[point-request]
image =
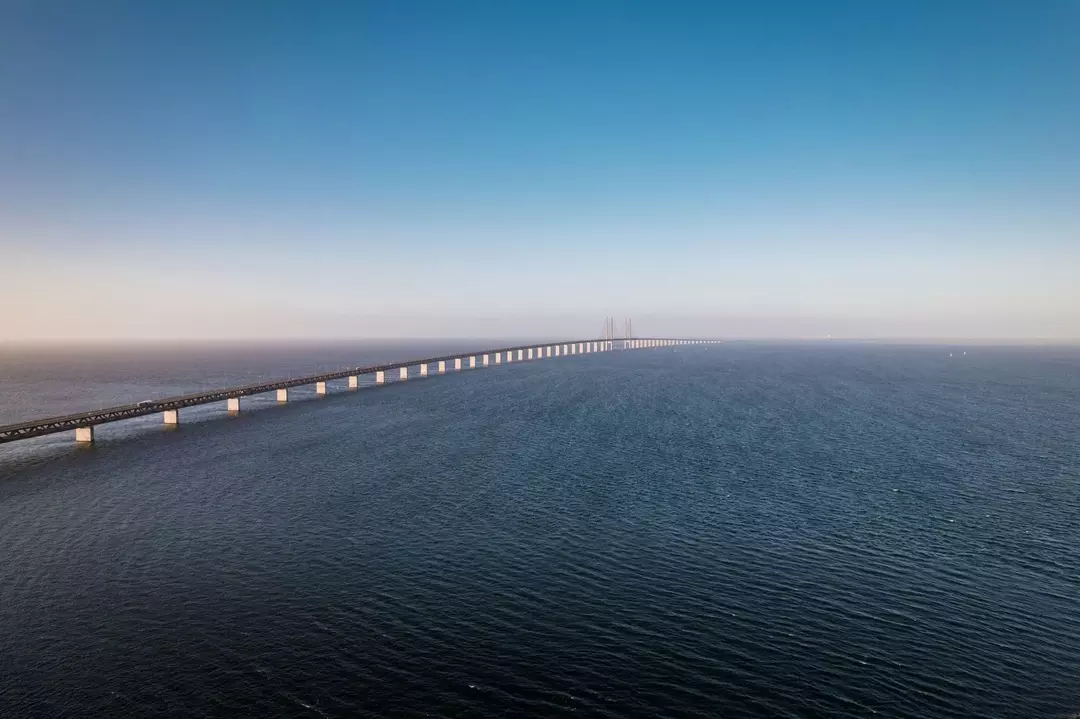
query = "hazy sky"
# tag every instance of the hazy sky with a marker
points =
(395, 168)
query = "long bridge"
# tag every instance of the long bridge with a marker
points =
(83, 423)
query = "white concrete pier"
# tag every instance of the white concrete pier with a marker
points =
(172, 416)
(457, 363)
(283, 395)
(472, 363)
(498, 358)
(233, 404)
(442, 366)
(485, 360)
(423, 369)
(380, 377)
(84, 435)
(320, 388)
(354, 382)
(403, 373)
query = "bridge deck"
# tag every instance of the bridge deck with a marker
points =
(51, 425)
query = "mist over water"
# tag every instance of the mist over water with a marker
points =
(741, 531)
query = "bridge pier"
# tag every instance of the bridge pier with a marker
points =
(442, 366)
(171, 416)
(509, 356)
(283, 395)
(498, 358)
(354, 382)
(472, 363)
(403, 373)
(320, 389)
(423, 369)
(233, 404)
(530, 353)
(485, 360)
(380, 377)
(457, 363)
(84, 435)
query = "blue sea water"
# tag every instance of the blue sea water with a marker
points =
(743, 530)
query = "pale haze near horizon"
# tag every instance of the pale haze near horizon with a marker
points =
(479, 170)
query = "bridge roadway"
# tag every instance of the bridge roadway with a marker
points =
(84, 422)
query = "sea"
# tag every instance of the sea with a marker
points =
(735, 530)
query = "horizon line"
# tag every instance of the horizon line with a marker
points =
(794, 339)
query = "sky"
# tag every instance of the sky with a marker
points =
(403, 168)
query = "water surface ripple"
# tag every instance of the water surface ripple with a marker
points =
(742, 531)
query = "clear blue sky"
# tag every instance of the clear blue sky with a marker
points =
(483, 168)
